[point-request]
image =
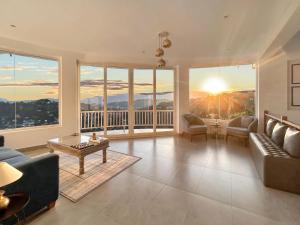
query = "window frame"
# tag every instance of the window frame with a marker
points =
(44, 57)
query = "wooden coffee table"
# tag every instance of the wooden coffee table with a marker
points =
(79, 146)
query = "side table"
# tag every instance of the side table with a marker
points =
(18, 202)
(216, 128)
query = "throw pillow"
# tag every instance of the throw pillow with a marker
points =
(270, 126)
(278, 134)
(246, 120)
(193, 120)
(292, 142)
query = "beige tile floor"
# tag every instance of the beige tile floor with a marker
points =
(180, 183)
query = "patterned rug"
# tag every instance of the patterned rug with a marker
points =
(74, 186)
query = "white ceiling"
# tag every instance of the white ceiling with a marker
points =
(126, 30)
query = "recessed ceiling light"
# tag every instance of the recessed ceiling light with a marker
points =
(12, 25)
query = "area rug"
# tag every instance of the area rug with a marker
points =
(74, 186)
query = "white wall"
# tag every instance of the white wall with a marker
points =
(273, 83)
(27, 137)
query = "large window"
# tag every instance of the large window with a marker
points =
(126, 101)
(29, 91)
(223, 92)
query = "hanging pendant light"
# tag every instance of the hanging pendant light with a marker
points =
(166, 43)
(161, 63)
(159, 52)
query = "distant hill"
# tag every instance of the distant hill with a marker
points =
(28, 101)
(28, 113)
(141, 101)
(3, 100)
(124, 97)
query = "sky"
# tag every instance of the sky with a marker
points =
(92, 81)
(30, 78)
(228, 78)
(27, 78)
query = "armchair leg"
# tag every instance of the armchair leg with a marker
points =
(246, 142)
(226, 138)
(51, 205)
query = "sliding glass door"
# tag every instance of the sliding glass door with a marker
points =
(165, 100)
(117, 101)
(92, 99)
(126, 101)
(143, 100)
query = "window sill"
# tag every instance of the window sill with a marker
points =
(28, 129)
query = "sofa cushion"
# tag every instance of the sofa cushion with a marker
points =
(292, 142)
(267, 147)
(270, 126)
(11, 156)
(240, 131)
(193, 120)
(6, 153)
(278, 134)
(246, 120)
(196, 129)
(16, 159)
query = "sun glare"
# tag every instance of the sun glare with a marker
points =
(215, 86)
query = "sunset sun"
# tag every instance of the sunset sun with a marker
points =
(215, 85)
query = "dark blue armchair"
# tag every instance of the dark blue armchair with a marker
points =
(40, 179)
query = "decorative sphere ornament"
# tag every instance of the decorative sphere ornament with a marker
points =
(167, 43)
(159, 52)
(161, 63)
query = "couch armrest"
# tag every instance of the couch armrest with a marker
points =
(1, 141)
(253, 126)
(40, 179)
(235, 122)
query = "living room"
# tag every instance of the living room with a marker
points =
(150, 112)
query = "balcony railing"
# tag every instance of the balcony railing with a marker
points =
(119, 119)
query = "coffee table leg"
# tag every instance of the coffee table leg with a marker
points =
(81, 165)
(104, 155)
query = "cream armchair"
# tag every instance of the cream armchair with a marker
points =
(194, 126)
(241, 127)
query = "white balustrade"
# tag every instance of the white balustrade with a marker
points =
(95, 119)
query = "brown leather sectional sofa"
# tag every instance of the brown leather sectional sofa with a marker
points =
(276, 154)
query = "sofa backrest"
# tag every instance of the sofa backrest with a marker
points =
(193, 119)
(246, 121)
